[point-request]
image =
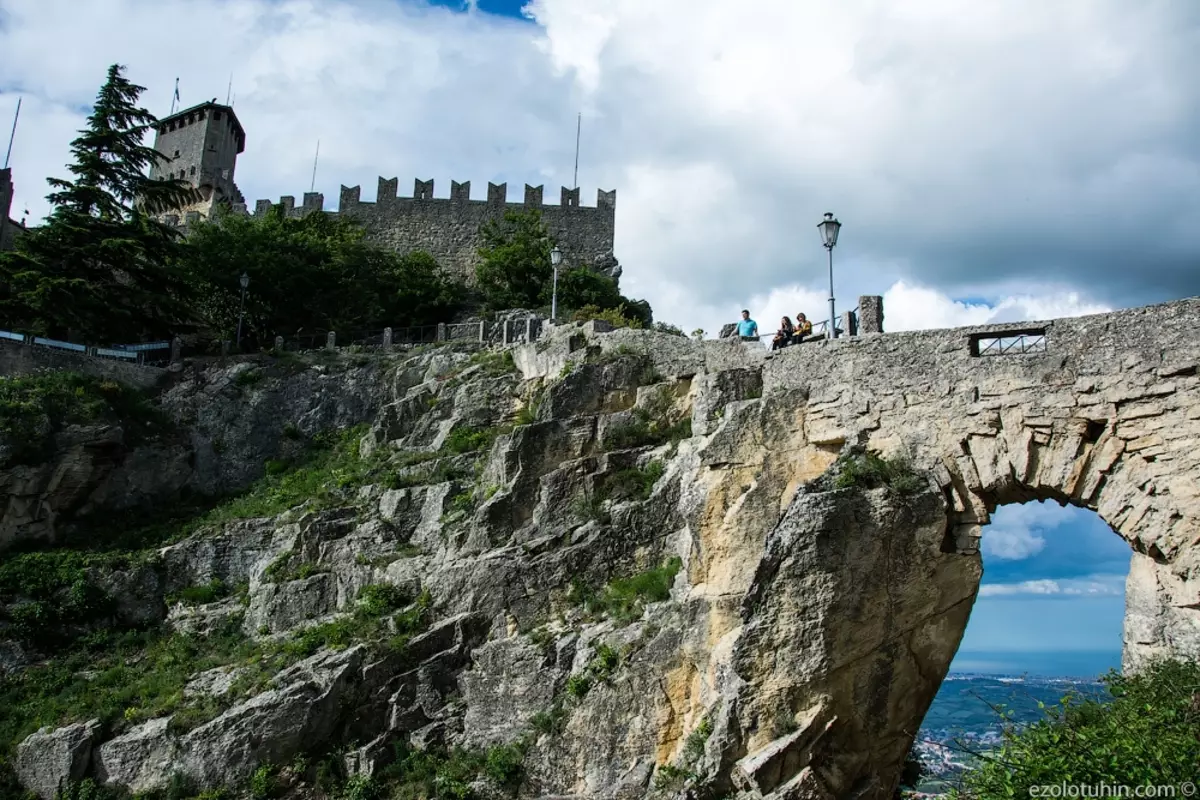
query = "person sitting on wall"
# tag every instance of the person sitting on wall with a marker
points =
(783, 336)
(803, 327)
(747, 329)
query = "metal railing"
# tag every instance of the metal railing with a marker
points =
(1008, 345)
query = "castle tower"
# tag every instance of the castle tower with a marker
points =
(201, 145)
(8, 228)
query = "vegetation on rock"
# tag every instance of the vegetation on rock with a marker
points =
(1148, 735)
(871, 470)
(34, 407)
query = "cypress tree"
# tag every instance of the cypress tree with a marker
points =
(100, 266)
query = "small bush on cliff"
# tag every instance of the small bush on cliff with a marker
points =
(1148, 735)
(34, 407)
(870, 470)
(624, 599)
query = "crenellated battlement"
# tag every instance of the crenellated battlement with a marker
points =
(387, 195)
(449, 228)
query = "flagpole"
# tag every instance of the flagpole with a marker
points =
(13, 135)
(229, 91)
(314, 177)
(578, 128)
(175, 97)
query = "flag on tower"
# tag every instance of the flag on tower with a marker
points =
(175, 99)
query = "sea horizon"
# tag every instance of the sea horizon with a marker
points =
(1086, 664)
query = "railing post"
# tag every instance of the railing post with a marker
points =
(176, 349)
(528, 330)
(482, 337)
(849, 324)
(387, 337)
(330, 340)
(441, 332)
(278, 344)
(870, 314)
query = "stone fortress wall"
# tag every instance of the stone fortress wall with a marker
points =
(448, 228)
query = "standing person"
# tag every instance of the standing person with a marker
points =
(783, 336)
(747, 329)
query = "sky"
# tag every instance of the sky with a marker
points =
(994, 161)
(1052, 596)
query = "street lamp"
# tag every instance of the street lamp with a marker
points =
(555, 260)
(829, 228)
(244, 281)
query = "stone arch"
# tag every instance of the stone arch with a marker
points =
(1109, 464)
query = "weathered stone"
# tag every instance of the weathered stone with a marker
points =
(47, 760)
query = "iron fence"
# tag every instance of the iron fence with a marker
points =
(1007, 345)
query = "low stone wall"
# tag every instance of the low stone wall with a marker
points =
(22, 359)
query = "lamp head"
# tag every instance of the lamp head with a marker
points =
(829, 228)
(555, 256)
(244, 280)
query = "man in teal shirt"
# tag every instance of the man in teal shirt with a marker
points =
(747, 329)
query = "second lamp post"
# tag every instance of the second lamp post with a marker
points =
(244, 281)
(829, 228)
(555, 260)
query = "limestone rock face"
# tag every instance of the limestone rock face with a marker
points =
(227, 422)
(49, 759)
(639, 555)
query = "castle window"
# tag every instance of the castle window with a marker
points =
(177, 154)
(193, 170)
(216, 115)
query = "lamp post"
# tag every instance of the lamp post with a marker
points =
(829, 228)
(244, 281)
(555, 260)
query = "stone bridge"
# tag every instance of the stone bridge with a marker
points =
(1105, 416)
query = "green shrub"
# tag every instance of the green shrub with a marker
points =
(470, 440)
(870, 470)
(34, 407)
(1147, 734)
(377, 599)
(625, 599)
(249, 377)
(651, 425)
(636, 482)
(210, 592)
(618, 317)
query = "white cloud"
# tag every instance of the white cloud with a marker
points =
(1092, 586)
(1061, 181)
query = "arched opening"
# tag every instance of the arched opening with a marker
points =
(1047, 620)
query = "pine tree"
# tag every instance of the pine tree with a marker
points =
(100, 266)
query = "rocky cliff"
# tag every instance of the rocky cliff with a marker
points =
(605, 565)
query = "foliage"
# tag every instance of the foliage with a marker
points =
(618, 317)
(869, 470)
(651, 425)
(435, 773)
(515, 270)
(636, 482)
(1147, 735)
(98, 268)
(308, 275)
(210, 592)
(666, 327)
(624, 599)
(34, 407)
(470, 440)
(600, 667)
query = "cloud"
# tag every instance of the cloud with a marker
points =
(1014, 532)
(1095, 586)
(1062, 180)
